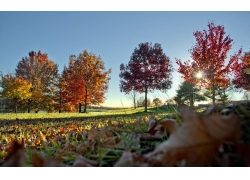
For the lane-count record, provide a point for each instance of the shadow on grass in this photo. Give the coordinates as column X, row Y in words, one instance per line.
column 163, row 110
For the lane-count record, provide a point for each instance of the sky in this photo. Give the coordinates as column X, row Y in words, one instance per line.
column 113, row 35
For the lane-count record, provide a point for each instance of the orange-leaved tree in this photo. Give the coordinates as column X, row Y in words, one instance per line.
column 42, row 73
column 208, row 57
column 15, row 88
column 85, row 80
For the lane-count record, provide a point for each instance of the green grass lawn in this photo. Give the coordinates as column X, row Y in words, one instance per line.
column 90, row 113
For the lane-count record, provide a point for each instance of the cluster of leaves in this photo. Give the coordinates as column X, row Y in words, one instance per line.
column 190, row 140
column 241, row 72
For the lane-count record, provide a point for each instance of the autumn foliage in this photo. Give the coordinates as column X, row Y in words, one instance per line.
column 15, row 88
column 42, row 73
column 241, row 73
column 85, row 80
column 148, row 69
column 208, row 56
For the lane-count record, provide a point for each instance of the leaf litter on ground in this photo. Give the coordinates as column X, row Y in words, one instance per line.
column 197, row 141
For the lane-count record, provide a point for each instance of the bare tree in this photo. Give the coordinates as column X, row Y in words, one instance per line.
column 133, row 95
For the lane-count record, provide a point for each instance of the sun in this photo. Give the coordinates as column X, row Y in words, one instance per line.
column 199, row 75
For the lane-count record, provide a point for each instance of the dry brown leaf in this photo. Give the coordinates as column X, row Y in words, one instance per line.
column 132, row 141
column 129, row 159
column 93, row 134
column 112, row 142
column 39, row 161
column 15, row 157
column 196, row 141
column 157, row 128
column 223, row 127
column 126, row 160
column 69, row 147
column 170, row 125
column 106, row 132
column 81, row 161
column 151, row 124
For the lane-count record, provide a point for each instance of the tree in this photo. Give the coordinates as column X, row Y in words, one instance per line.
column 222, row 94
column 86, row 80
column 148, row 69
column 149, row 103
column 240, row 68
column 157, row 102
column 42, row 73
column 189, row 93
column 140, row 102
column 133, row 96
column 209, row 55
column 15, row 88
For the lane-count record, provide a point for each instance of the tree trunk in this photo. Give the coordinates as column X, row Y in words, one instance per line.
column 60, row 104
column 146, row 101
column 15, row 105
column 85, row 101
column 85, row 104
column 29, row 102
column 191, row 96
column 213, row 91
column 134, row 103
column 80, row 108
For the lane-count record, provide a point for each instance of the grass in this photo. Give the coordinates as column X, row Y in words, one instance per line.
column 63, row 135
column 56, row 135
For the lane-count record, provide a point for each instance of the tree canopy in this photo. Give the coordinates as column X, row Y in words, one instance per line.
column 85, row 80
column 15, row 88
column 148, row 69
column 208, row 57
column 241, row 73
column 42, row 73
column 189, row 93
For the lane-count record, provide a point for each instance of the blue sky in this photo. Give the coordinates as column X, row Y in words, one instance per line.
column 113, row 35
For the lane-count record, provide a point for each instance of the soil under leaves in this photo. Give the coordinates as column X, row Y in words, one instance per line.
column 192, row 139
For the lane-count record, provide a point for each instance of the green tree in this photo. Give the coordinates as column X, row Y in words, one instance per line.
column 189, row 93
column 15, row 88
column 222, row 94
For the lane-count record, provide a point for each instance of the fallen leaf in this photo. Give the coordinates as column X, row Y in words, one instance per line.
column 81, row 161
column 106, row 132
column 197, row 140
column 38, row 161
column 126, row 160
column 170, row 125
column 15, row 157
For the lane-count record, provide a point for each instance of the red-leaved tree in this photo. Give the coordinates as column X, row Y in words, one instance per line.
column 241, row 72
column 208, row 57
column 148, row 69
column 85, row 80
